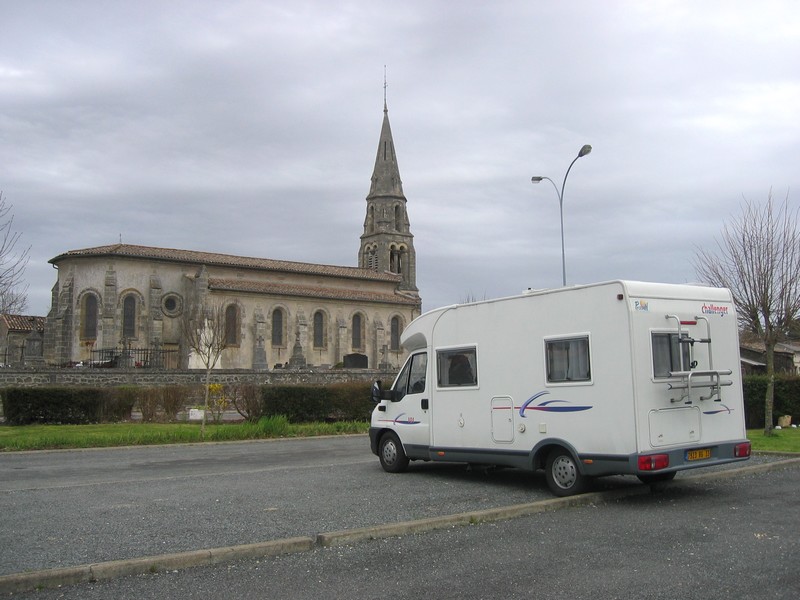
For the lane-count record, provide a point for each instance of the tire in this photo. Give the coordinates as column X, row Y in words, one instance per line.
column 657, row 477
column 390, row 451
column 563, row 475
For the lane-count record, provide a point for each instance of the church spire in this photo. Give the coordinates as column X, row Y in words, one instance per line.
column 386, row 174
column 387, row 244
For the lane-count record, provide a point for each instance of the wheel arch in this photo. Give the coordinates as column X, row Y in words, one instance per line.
column 544, row 447
column 376, row 435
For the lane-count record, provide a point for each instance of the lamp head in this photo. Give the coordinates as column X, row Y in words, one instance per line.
column 536, row 179
column 585, row 150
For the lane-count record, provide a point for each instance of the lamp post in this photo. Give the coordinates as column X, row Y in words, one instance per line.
column 583, row 152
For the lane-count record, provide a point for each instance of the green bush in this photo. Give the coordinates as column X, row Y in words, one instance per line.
column 73, row 406
column 118, row 403
column 786, row 398
column 308, row 403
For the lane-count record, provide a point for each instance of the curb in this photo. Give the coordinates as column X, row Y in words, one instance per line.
column 350, row 536
column 50, row 578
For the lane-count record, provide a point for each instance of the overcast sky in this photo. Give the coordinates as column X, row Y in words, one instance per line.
column 251, row 127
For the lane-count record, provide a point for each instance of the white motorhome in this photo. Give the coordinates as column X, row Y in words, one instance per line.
column 611, row 378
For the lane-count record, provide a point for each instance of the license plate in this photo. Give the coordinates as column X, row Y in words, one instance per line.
column 698, row 454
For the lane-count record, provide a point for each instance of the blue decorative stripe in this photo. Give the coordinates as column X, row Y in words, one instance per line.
column 548, row 405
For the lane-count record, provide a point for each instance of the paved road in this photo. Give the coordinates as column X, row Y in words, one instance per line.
column 69, row 508
column 711, row 539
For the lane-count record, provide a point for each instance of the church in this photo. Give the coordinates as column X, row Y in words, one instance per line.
column 125, row 300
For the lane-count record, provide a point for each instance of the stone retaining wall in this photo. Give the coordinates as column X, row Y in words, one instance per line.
column 150, row 377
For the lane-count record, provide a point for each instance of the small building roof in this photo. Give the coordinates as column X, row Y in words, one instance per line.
column 25, row 323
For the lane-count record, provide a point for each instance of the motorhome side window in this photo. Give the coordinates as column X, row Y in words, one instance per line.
column 568, row 360
column 457, row 368
column 669, row 354
column 412, row 378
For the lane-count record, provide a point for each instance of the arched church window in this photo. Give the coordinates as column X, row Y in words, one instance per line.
column 278, row 337
column 394, row 339
column 89, row 317
column 358, row 332
column 320, row 338
column 129, row 317
column 232, row 325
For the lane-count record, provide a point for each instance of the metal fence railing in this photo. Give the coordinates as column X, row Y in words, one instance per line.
column 128, row 358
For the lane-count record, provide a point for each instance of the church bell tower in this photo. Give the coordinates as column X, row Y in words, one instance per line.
column 387, row 244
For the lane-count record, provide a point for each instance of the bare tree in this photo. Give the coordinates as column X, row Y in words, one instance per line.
column 758, row 259
column 203, row 330
column 13, row 292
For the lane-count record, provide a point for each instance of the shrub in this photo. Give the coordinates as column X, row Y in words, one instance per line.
column 149, row 403
column 74, row 406
column 307, row 403
column 246, row 399
column 118, row 403
column 173, row 399
column 786, row 398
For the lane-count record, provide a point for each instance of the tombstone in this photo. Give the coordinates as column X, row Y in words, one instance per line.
column 260, row 355
column 298, row 360
column 32, row 354
column 355, row 361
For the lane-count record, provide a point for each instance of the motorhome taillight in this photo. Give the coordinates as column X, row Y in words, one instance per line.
column 742, row 450
column 653, row 462
column 688, row 322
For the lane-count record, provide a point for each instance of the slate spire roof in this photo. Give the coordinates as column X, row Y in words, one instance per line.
column 386, row 174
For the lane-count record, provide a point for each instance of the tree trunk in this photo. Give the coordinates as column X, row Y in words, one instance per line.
column 770, row 395
column 205, row 406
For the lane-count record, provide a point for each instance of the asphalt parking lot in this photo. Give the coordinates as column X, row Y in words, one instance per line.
column 65, row 509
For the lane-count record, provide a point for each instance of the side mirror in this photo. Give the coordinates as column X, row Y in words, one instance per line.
column 379, row 394
column 376, row 391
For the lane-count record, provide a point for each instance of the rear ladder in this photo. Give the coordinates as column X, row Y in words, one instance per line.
column 689, row 380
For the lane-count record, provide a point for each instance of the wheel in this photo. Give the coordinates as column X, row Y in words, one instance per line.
column 562, row 473
column 393, row 457
column 657, row 477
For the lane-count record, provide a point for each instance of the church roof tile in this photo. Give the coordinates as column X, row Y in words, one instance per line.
column 226, row 260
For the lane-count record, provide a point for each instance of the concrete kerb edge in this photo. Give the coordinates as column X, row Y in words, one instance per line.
column 49, row 578
column 349, row 536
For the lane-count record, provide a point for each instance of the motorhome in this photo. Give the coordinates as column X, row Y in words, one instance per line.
column 619, row 377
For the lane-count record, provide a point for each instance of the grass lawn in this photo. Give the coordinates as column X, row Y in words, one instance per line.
column 783, row 440
column 43, row 437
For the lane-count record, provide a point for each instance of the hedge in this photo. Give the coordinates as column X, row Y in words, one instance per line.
column 310, row 403
column 786, row 399
column 299, row 403
column 72, row 406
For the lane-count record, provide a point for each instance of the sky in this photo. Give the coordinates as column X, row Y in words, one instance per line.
column 251, row 128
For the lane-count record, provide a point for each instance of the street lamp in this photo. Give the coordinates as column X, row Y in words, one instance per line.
column 583, row 152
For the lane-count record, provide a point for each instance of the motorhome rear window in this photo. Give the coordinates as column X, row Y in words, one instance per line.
column 457, row 368
column 568, row 360
column 669, row 355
